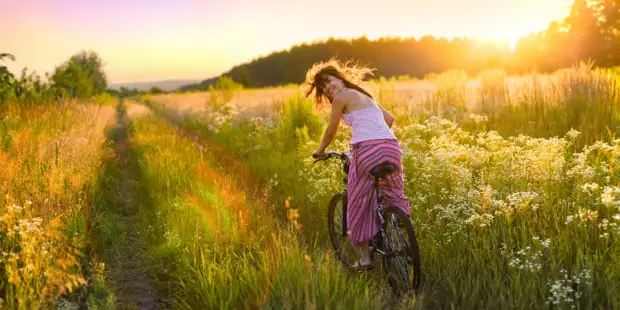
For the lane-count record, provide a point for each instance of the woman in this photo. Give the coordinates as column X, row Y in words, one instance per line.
column 372, row 143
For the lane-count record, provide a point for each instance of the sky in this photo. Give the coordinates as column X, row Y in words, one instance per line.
column 150, row 40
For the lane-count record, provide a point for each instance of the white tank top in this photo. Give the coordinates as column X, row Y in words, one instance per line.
column 368, row 124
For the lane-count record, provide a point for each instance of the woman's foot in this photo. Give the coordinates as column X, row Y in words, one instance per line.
column 363, row 266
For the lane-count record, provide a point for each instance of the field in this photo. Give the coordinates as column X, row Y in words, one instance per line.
column 211, row 200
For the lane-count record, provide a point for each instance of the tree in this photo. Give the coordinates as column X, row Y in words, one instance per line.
column 7, row 79
column 156, row 90
column 82, row 76
column 608, row 15
column 584, row 35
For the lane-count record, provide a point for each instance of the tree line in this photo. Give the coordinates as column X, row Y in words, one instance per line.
column 590, row 33
column 81, row 76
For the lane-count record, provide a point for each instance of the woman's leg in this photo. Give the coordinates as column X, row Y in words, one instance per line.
column 364, row 249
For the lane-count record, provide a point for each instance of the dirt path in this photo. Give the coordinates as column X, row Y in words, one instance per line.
column 126, row 255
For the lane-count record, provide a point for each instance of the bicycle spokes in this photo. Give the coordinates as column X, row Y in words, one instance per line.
column 343, row 220
column 340, row 237
column 398, row 258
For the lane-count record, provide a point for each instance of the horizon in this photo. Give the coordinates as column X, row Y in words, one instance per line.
column 152, row 41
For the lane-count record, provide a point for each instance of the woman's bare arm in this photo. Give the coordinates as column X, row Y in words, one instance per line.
column 332, row 126
column 389, row 118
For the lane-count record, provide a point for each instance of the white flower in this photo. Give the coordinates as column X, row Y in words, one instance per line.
column 590, row 188
column 572, row 134
column 478, row 118
column 610, row 196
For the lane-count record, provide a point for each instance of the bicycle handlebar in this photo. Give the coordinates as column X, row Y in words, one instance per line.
column 330, row 154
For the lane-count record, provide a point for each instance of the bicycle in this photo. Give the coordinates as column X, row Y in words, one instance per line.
column 399, row 251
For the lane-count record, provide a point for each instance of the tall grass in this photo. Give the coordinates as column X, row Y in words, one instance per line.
column 537, row 105
column 513, row 181
column 50, row 159
column 219, row 242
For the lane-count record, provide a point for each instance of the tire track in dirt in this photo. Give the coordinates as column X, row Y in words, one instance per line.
column 126, row 254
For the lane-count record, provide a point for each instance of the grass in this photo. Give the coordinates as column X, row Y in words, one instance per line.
column 514, row 181
column 50, row 160
column 221, row 244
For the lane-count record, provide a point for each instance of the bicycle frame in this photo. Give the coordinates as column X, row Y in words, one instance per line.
column 379, row 243
column 344, row 157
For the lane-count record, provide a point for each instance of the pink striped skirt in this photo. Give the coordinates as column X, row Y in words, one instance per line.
column 362, row 220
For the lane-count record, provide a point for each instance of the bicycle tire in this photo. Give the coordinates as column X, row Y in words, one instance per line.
column 412, row 250
column 336, row 236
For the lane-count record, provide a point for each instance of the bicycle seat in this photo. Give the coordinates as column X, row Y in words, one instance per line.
column 382, row 170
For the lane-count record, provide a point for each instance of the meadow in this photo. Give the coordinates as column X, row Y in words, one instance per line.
column 513, row 180
column 50, row 159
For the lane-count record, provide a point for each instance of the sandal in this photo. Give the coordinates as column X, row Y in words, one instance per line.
column 360, row 267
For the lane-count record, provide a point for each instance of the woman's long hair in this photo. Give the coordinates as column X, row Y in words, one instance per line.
column 351, row 75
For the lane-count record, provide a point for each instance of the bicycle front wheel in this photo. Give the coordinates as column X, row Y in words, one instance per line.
column 402, row 260
column 337, row 226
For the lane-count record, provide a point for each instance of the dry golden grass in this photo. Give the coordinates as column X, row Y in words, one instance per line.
column 43, row 156
column 249, row 102
column 47, row 171
column 450, row 88
column 135, row 110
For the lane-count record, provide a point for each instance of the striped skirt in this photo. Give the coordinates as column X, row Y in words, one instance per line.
column 362, row 220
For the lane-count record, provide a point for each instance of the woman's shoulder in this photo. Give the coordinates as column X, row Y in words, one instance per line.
column 349, row 95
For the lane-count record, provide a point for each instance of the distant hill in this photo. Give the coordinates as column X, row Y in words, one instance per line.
column 201, row 85
column 390, row 56
column 585, row 35
column 165, row 85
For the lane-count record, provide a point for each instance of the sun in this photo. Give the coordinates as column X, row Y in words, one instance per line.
column 507, row 37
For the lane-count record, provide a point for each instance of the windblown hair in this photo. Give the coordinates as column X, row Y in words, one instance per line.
column 351, row 75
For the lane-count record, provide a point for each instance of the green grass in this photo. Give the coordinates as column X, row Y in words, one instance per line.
column 220, row 245
column 506, row 215
column 514, row 184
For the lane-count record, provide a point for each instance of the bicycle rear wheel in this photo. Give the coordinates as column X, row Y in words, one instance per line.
column 336, row 222
column 403, row 259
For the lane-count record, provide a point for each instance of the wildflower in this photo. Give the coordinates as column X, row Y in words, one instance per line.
column 525, row 259
column 478, row 118
column 287, row 203
column 585, row 214
column 573, row 134
column 14, row 208
column 293, row 214
column 590, row 188
column 521, row 200
column 610, row 196
column 480, row 220
column 566, row 289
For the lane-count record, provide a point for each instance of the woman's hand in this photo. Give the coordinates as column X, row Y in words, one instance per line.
column 319, row 153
